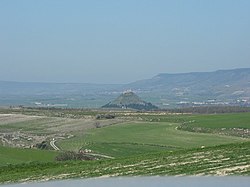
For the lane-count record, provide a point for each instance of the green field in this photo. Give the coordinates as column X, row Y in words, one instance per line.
column 237, row 124
column 228, row 120
column 10, row 155
column 122, row 139
column 230, row 159
column 239, row 120
column 140, row 144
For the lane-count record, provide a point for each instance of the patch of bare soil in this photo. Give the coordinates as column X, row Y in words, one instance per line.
column 14, row 118
column 19, row 130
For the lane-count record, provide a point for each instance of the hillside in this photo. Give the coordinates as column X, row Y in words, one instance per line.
column 229, row 78
column 130, row 100
column 217, row 160
column 133, row 143
column 222, row 87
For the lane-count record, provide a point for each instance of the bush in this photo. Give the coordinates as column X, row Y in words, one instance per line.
column 71, row 155
column 44, row 145
column 105, row 116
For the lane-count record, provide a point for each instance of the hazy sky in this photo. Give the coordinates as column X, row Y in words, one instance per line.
column 120, row 41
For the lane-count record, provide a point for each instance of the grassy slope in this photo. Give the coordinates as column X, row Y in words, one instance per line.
column 228, row 120
column 16, row 155
column 133, row 139
column 237, row 124
column 239, row 120
column 219, row 160
column 120, row 140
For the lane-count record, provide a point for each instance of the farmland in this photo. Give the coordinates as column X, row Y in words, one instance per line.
column 233, row 124
column 230, row 159
column 10, row 155
column 26, row 130
column 139, row 143
column 152, row 136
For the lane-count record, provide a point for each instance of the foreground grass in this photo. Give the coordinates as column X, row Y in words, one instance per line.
column 231, row 159
column 10, row 155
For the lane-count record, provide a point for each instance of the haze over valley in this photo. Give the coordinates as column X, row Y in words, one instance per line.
column 124, row 93
column 222, row 87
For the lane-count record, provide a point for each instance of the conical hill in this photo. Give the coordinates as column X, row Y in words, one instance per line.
column 130, row 100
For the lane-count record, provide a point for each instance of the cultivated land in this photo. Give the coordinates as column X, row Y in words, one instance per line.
column 118, row 140
column 230, row 159
column 132, row 143
column 10, row 155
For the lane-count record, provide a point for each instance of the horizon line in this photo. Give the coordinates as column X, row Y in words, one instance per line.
column 95, row 83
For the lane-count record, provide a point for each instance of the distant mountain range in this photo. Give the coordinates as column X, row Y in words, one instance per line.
column 238, row 78
column 222, row 87
column 219, row 87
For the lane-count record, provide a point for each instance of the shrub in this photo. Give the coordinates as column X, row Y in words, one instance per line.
column 71, row 155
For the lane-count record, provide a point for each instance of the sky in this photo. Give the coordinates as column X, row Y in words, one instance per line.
column 120, row 41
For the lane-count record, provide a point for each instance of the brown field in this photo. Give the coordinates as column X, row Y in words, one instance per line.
column 18, row 130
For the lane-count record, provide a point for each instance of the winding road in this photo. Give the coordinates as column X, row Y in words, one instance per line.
column 52, row 143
